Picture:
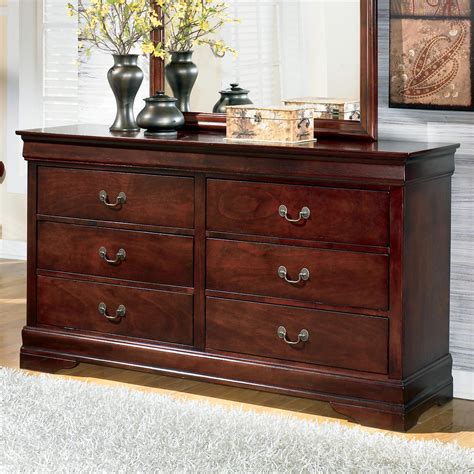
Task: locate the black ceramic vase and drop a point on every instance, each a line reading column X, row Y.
column 181, row 74
column 125, row 79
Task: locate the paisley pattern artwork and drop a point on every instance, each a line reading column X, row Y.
column 431, row 54
column 438, row 8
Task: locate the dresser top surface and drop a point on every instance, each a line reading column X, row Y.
column 217, row 143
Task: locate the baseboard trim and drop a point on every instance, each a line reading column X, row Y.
column 12, row 249
column 463, row 384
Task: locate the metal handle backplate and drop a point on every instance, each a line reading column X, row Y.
column 119, row 257
column 303, row 336
column 121, row 199
column 302, row 276
column 304, row 214
column 119, row 313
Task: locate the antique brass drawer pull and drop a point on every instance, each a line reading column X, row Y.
column 303, row 336
column 121, row 199
column 304, row 214
column 119, row 257
column 303, row 275
column 119, row 313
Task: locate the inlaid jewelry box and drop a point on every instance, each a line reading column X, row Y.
column 289, row 124
column 329, row 108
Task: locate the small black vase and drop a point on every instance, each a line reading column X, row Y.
column 231, row 97
column 181, row 74
column 160, row 116
column 125, row 79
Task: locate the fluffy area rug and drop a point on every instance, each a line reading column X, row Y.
column 51, row 424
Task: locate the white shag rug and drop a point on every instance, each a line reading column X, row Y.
column 51, row 424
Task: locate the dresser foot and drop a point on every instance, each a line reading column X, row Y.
column 394, row 421
column 375, row 418
column 445, row 396
column 43, row 363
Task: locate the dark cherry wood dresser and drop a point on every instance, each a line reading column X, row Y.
column 318, row 270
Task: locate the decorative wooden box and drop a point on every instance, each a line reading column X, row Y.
column 329, row 108
column 289, row 124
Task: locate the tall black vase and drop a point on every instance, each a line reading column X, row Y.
column 125, row 79
column 181, row 74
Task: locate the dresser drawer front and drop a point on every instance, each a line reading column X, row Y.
column 150, row 199
column 149, row 314
column 155, row 258
column 335, row 215
column 334, row 339
column 347, row 279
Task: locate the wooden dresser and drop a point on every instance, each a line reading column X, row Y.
column 319, row 270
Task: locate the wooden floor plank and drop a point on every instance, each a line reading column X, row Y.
column 453, row 422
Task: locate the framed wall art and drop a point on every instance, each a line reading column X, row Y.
column 431, row 54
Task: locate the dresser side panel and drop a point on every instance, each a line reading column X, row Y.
column 426, row 273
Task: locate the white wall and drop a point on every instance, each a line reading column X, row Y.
column 26, row 101
column 19, row 89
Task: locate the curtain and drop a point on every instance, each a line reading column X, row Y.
column 297, row 50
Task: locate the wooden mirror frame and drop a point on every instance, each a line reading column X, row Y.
column 365, row 129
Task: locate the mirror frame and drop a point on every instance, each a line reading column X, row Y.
column 365, row 129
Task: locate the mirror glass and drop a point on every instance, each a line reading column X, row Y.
column 287, row 49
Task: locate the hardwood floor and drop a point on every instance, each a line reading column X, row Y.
column 453, row 422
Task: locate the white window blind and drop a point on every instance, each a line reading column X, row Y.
column 269, row 40
column 254, row 38
column 75, row 88
column 60, row 66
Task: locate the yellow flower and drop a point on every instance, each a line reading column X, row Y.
column 184, row 22
column 155, row 22
column 148, row 47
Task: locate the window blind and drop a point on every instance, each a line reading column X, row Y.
column 75, row 87
column 258, row 20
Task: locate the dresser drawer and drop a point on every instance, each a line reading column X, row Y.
column 334, row 339
column 338, row 278
column 155, row 258
column 335, row 215
column 149, row 199
column 149, row 314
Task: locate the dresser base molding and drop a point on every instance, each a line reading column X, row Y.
column 45, row 363
column 387, row 404
column 395, row 420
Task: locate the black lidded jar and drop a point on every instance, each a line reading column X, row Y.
column 160, row 117
column 233, row 96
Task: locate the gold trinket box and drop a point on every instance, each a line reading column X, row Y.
column 329, row 108
column 288, row 124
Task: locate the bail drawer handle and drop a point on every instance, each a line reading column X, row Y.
column 119, row 257
column 121, row 199
column 303, row 215
column 119, row 313
column 302, row 276
column 303, row 336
